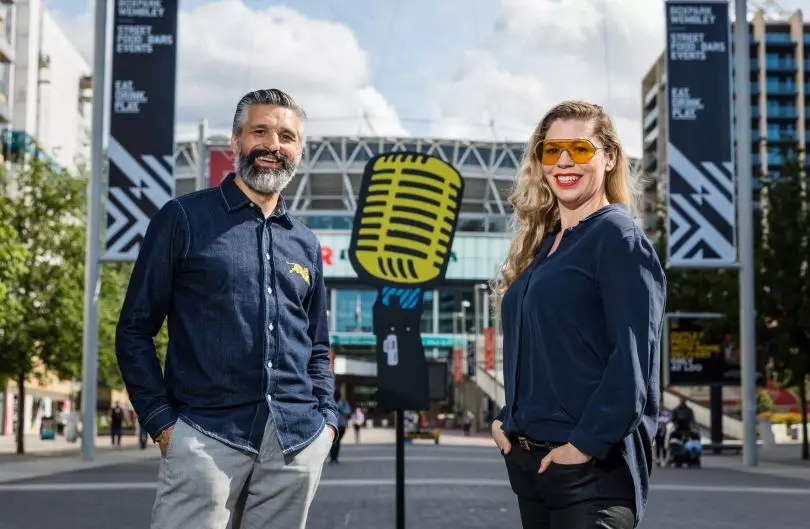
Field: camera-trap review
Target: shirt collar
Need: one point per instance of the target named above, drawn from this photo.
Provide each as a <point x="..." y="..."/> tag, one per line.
<point x="598" y="213"/>
<point x="235" y="199"/>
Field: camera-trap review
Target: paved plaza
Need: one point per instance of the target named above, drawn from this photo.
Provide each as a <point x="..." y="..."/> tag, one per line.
<point x="459" y="483"/>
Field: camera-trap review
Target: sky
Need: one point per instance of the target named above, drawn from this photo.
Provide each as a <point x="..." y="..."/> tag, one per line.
<point x="468" y="69"/>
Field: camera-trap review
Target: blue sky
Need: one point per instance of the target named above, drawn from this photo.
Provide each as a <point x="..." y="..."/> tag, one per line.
<point x="478" y="69"/>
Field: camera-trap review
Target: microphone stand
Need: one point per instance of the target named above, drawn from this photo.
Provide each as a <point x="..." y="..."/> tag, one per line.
<point x="402" y="370"/>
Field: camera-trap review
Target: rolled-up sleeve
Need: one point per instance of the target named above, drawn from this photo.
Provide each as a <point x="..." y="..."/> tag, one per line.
<point x="323" y="381"/>
<point x="145" y="307"/>
<point x="633" y="291"/>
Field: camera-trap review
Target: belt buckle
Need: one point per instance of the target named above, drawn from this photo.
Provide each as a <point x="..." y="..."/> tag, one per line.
<point x="525" y="444"/>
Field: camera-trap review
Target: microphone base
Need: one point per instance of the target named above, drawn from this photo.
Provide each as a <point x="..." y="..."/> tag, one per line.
<point x="402" y="369"/>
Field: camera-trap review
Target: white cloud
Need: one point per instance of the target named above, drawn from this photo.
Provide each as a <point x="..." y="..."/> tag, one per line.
<point x="545" y="51"/>
<point x="227" y="49"/>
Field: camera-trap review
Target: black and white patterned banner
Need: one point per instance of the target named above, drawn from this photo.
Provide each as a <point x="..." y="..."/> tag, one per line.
<point x="141" y="143"/>
<point x="701" y="202"/>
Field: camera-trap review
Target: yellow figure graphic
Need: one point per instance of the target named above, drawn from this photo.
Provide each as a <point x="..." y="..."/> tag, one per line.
<point x="407" y="218"/>
<point x="301" y="270"/>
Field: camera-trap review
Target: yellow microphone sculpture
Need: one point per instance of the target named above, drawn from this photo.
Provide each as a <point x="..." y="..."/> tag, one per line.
<point x="401" y="239"/>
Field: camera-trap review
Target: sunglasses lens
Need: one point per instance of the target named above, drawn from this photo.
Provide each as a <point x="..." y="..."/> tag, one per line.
<point x="580" y="151"/>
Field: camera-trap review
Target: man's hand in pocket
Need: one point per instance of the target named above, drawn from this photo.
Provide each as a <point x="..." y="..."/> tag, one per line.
<point x="164" y="438"/>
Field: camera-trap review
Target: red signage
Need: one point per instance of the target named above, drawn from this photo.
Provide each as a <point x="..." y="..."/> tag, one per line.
<point x="326" y="255"/>
<point x="489" y="349"/>
<point x="458" y="378"/>
<point x="220" y="163"/>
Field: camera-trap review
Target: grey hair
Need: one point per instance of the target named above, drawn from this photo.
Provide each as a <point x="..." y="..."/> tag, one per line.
<point x="266" y="96"/>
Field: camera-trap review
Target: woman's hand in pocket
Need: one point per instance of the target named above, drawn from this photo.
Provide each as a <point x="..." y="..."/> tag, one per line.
<point x="500" y="438"/>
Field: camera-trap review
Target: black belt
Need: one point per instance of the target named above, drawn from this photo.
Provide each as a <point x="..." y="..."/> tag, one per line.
<point x="530" y="445"/>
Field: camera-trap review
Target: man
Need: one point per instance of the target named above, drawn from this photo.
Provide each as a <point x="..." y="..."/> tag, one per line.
<point x="244" y="414"/>
<point x="683" y="417"/>
<point x="116" y="418"/>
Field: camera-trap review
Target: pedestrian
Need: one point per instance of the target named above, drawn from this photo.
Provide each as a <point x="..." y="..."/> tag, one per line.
<point x="344" y="412"/>
<point x="244" y="413"/>
<point x="582" y="296"/>
<point x="358" y="421"/>
<point x="116" y="418"/>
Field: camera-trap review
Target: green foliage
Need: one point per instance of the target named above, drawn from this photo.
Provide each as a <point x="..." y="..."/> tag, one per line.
<point x="764" y="403"/>
<point x="13" y="258"/>
<point x="45" y="214"/>
<point x="784" y="294"/>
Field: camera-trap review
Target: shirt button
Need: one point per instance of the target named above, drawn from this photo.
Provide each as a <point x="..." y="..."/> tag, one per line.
<point x="270" y="365"/>
<point x="267" y="256"/>
<point x="270" y="326"/>
<point x="269" y="290"/>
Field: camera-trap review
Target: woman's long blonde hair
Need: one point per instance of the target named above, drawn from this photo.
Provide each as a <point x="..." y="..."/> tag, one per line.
<point x="535" y="207"/>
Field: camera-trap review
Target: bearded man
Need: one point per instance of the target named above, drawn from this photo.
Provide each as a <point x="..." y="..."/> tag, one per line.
<point x="243" y="412"/>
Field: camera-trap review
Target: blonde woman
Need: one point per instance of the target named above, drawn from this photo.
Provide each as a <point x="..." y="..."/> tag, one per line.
<point x="582" y="295"/>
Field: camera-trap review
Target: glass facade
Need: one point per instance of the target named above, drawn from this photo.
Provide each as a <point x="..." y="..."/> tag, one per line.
<point x="353" y="309"/>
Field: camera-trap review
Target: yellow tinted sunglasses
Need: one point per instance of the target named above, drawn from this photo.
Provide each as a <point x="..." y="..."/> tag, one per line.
<point x="580" y="151"/>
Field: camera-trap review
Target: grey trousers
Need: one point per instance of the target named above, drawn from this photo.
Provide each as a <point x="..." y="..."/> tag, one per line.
<point x="205" y="484"/>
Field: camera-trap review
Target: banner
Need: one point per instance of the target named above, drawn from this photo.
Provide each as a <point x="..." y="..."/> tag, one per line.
<point x="458" y="376"/>
<point x="141" y="143"/>
<point x="700" y="352"/>
<point x="220" y="163"/>
<point x="701" y="183"/>
<point x="489" y="349"/>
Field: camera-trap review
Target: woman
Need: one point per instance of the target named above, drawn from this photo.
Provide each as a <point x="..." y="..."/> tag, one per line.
<point x="582" y="296"/>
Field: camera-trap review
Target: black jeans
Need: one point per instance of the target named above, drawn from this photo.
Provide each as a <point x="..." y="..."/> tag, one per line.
<point x="597" y="494"/>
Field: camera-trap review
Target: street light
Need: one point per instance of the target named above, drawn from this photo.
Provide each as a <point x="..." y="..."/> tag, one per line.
<point x="464" y="306"/>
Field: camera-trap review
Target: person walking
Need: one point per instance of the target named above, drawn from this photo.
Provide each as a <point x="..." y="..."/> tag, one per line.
<point x="244" y="412"/>
<point x="344" y="412"/>
<point x="358" y="421"/>
<point x="116" y="418"/>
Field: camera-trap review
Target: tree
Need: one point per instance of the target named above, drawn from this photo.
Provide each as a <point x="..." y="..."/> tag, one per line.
<point x="12" y="261"/>
<point x="45" y="329"/>
<point x="784" y="292"/>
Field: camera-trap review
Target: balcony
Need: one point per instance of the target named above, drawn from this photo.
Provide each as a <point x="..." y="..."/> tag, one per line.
<point x="782" y="112"/>
<point x="781" y="66"/>
<point x="651" y="137"/>
<point x="18" y="145"/>
<point x="781" y="90"/>
<point x="779" y="39"/>
<point x="649" y="119"/>
<point x="782" y="135"/>
<point x="649" y="97"/>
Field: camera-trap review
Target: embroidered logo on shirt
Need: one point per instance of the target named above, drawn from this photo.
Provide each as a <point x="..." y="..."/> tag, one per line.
<point x="301" y="270"/>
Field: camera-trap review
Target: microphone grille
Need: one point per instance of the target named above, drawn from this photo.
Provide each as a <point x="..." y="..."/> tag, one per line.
<point x="406" y="219"/>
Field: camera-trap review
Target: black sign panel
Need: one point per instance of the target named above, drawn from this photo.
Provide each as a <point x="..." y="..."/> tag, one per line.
<point x="701" y="197"/>
<point x="142" y="108"/>
<point x="701" y="353"/>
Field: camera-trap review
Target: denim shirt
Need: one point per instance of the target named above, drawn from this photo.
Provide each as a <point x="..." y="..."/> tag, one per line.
<point x="582" y="337"/>
<point x="246" y="307"/>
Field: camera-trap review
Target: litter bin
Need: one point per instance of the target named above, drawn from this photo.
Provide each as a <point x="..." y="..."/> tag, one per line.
<point x="47" y="428"/>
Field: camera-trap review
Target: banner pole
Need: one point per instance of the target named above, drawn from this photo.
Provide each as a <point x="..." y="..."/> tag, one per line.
<point x="92" y="280"/>
<point x="745" y="215"/>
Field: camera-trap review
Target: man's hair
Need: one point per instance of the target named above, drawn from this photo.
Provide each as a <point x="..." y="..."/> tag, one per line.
<point x="267" y="96"/>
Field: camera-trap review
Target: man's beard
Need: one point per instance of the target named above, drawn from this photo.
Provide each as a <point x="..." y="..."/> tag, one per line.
<point x="264" y="180"/>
